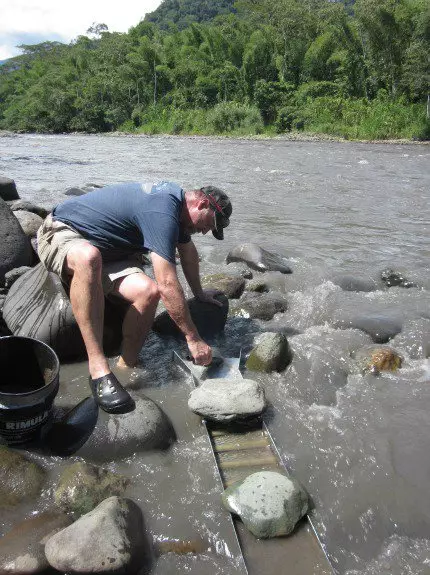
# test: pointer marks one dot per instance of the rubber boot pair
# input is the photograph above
(110, 394)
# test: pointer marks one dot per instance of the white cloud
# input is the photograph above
(57, 20)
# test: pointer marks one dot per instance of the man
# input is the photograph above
(92, 242)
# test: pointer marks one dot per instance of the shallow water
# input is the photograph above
(358, 443)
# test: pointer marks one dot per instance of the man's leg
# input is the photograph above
(84, 263)
(143, 295)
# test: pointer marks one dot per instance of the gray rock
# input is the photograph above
(119, 436)
(232, 286)
(257, 285)
(29, 222)
(105, 540)
(11, 277)
(82, 487)
(17, 205)
(15, 247)
(258, 258)
(209, 318)
(259, 306)
(20, 479)
(37, 306)
(394, 278)
(8, 189)
(227, 399)
(380, 328)
(22, 549)
(272, 353)
(269, 503)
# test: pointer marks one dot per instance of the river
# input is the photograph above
(358, 443)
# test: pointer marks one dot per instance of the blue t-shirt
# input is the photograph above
(126, 218)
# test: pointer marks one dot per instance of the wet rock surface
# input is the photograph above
(258, 258)
(272, 353)
(259, 306)
(269, 503)
(15, 247)
(22, 549)
(375, 359)
(231, 285)
(20, 478)
(82, 487)
(392, 278)
(226, 400)
(105, 540)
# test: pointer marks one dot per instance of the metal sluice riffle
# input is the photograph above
(239, 450)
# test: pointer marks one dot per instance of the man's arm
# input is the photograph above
(190, 265)
(172, 294)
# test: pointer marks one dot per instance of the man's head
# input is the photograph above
(208, 209)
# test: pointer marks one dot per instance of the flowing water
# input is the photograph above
(359, 443)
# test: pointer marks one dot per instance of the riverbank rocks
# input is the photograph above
(20, 479)
(392, 278)
(37, 306)
(208, 318)
(231, 285)
(272, 353)
(18, 205)
(8, 189)
(29, 222)
(376, 359)
(118, 436)
(259, 306)
(226, 400)
(269, 503)
(82, 487)
(15, 247)
(22, 549)
(258, 258)
(108, 539)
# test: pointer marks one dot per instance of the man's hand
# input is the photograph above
(200, 351)
(208, 296)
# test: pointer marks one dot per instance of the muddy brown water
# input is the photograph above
(358, 443)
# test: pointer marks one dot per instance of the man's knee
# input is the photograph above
(84, 258)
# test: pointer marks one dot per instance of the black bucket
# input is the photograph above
(29, 382)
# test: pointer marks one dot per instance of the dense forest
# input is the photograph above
(355, 70)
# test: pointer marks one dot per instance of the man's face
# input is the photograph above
(202, 219)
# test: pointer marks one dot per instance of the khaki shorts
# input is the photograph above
(54, 240)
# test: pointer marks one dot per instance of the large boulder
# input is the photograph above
(227, 400)
(272, 353)
(8, 189)
(269, 503)
(82, 487)
(38, 306)
(29, 222)
(22, 549)
(20, 479)
(259, 306)
(209, 318)
(15, 246)
(231, 285)
(258, 258)
(108, 539)
(18, 205)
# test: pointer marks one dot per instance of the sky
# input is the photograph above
(35, 21)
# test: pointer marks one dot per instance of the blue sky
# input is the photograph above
(34, 21)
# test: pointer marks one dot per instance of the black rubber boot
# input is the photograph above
(110, 395)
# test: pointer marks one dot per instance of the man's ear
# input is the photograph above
(203, 204)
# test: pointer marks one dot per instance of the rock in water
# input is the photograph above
(272, 353)
(20, 479)
(269, 503)
(108, 539)
(258, 258)
(37, 306)
(15, 247)
(378, 358)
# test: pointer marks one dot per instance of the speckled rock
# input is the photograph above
(15, 247)
(82, 487)
(29, 222)
(375, 359)
(257, 285)
(22, 549)
(227, 400)
(108, 539)
(393, 278)
(272, 353)
(269, 503)
(209, 318)
(20, 479)
(231, 285)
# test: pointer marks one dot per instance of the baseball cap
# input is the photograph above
(221, 205)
